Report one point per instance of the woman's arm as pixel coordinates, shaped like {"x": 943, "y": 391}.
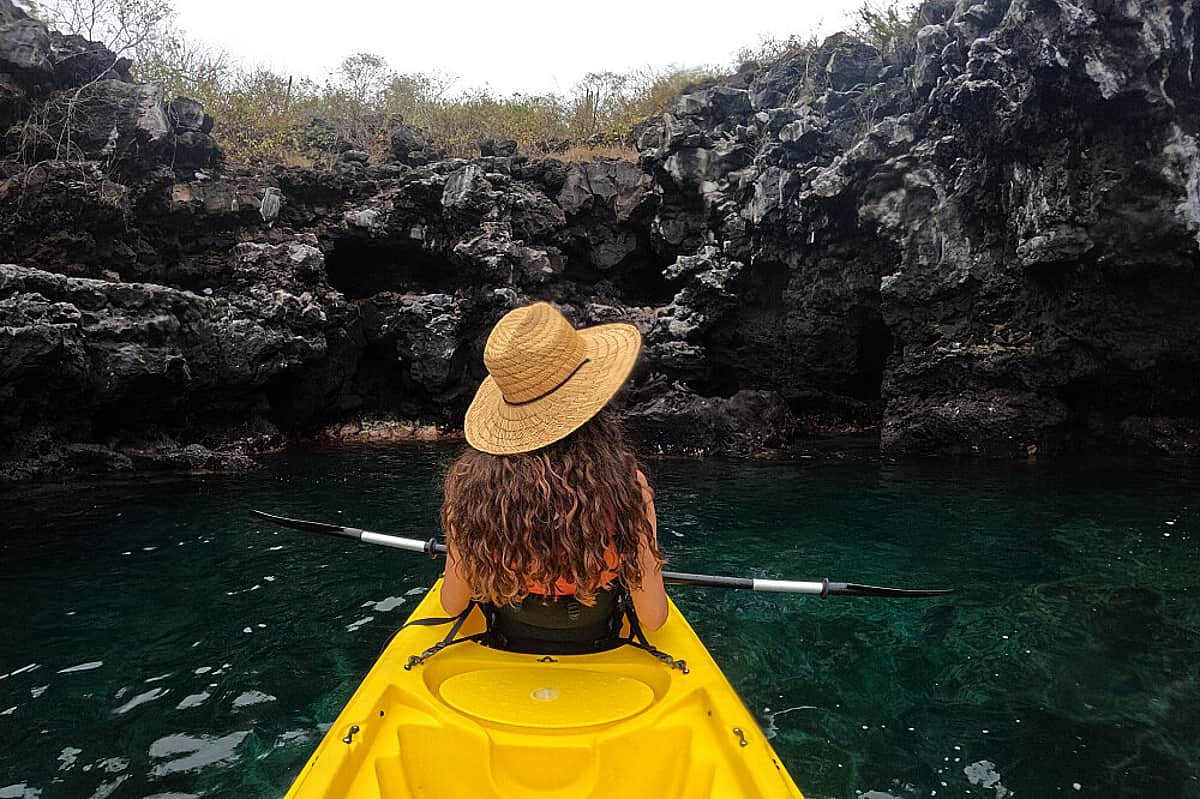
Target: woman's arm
{"x": 650, "y": 600}
{"x": 456, "y": 591}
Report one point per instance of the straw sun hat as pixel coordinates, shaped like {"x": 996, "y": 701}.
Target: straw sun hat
{"x": 545, "y": 378}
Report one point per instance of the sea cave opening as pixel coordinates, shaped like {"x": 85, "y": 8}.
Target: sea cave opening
{"x": 361, "y": 268}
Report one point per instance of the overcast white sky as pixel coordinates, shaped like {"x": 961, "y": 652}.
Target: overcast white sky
{"x": 510, "y": 45}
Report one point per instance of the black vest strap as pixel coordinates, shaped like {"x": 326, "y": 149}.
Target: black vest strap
{"x": 459, "y": 620}
{"x": 496, "y": 637}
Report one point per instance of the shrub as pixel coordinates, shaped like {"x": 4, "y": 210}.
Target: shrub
{"x": 889, "y": 27}
{"x": 263, "y": 117}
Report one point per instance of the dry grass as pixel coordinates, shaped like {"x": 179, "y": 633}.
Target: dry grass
{"x": 289, "y": 157}
{"x": 586, "y": 153}
{"x": 380, "y": 154}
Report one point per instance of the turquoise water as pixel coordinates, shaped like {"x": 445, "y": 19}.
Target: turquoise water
{"x": 156, "y": 641}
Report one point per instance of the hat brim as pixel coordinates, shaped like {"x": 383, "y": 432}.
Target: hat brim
{"x": 494, "y": 426}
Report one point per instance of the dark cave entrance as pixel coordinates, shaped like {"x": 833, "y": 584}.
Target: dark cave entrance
{"x": 874, "y": 347}
{"x": 743, "y": 349}
{"x": 361, "y": 268}
{"x": 827, "y": 364}
{"x": 1108, "y": 409}
{"x": 641, "y": 279}
{"x": 637, "y": 278}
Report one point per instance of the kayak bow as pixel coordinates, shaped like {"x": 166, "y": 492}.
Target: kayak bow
{"x": 488, "y": 724}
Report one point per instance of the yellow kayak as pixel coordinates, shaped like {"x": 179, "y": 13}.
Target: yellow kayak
{"x": 480, "y": 723}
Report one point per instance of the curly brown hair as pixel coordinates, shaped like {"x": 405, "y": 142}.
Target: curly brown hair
{"x": 534, "y": 517}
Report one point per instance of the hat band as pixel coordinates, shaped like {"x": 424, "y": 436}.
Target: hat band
{"x": 545, "y": 394}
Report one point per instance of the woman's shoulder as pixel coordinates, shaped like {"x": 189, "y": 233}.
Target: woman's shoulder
{"x": 644, "y": 484}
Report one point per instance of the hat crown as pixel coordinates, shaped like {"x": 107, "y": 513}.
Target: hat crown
{"x": 532, "y": 351}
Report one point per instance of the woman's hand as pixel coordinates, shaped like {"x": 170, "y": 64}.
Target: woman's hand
{"x": 650, "y": 599}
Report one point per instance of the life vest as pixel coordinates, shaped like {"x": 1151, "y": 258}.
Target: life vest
{"x": 613, "y": 608}
{"x": 558, "y": 625}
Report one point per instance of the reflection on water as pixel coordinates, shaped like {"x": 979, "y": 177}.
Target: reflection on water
{"x": 183, "y": 753}
{"x": 161, "y": 643}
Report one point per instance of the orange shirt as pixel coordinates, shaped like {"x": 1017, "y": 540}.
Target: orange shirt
{"x": 564, "y": 587}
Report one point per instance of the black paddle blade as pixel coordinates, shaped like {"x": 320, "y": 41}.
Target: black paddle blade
{"x": 858, "y": 589}
{"x": 302, "y": 524}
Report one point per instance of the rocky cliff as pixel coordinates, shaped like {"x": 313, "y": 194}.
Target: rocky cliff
{"x": 985, "y": 240}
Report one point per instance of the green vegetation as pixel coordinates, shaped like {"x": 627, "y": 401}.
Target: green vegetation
{"x": 770, "y": 48}
{"x": 264, "y": 117}
{"x": 892, "y": 27}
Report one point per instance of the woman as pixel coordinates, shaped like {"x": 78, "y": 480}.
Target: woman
{"x": 547, "y": 515}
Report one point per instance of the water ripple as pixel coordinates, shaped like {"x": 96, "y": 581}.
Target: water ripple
{"x": 141, "y": 699}
{"x": 192, "y": 752}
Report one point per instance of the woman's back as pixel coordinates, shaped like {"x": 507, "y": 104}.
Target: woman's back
{"x": 548, "y": 499}
{"x": 566, "y": 519}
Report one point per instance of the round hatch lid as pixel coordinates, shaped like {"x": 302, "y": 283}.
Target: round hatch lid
{"x": 546, "y": 697}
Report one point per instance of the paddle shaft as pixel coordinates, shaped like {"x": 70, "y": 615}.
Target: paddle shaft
{"x": 433, "y": 548}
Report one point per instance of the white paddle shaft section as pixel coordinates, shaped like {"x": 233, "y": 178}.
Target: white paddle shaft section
{"x": 393, "y": 541}
{"x": 414, "y": 545}
{"x": 788, "y": 586}
{"x": 432, "y": 547}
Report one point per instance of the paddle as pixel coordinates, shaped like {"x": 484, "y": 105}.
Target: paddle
{"x": 821, "y": 588}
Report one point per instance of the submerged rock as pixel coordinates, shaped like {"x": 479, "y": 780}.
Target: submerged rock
{"x": 679, "y": 422}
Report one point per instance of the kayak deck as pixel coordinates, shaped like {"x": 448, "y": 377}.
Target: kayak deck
{"x": 483, "y": 723}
